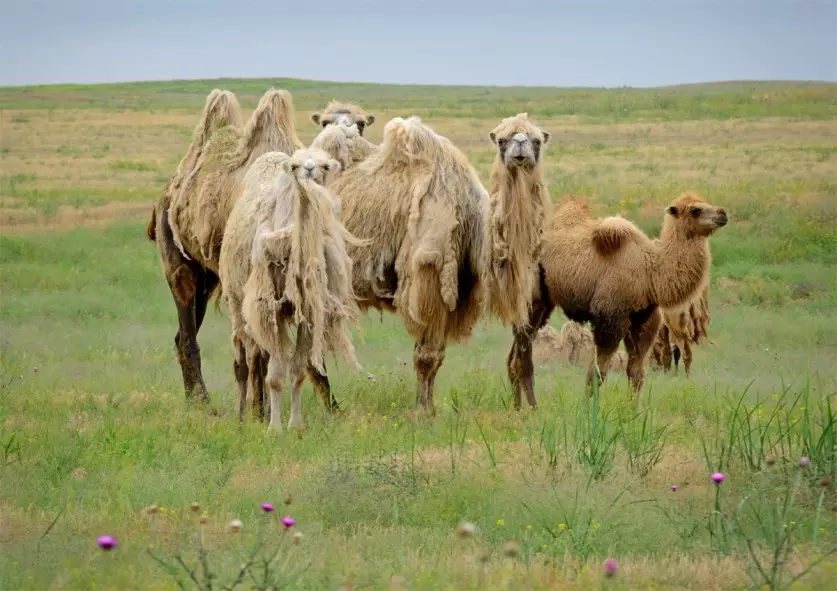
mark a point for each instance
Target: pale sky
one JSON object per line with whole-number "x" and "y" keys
{"x": 487, "y": 42}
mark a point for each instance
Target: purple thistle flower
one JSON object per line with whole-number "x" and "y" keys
{"x": 288, "y": 521}
{"x": 610, "y": 566}
{"x": 718, "y": 477}
{"x": 803, "y": 462}
{"x": 267, "y": 507}
{"x": 106, "y": 542}
{"x": 674, "y": 488}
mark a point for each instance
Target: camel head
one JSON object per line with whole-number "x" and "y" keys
{"x": 693, "y": 216}
{"x": 310, "y": 165}
{"x": 345, "y": 114}
{"x": 519, "y": 142}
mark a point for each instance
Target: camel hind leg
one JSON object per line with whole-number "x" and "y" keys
{"x": 276, "y": 372}
{"x": 687, "y": 358}
{"x": 607, "y": 334}
{"x": 675, "y": 352}
{"x": 322, "y": 388}
{"x": 298, "y": 368}
{"x": 638, "y": 342}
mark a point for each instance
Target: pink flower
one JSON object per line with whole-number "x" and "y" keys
{"x": 803, "y": 462}
{"x": 674, "y": 488}
{"x": 718, "y": 477}
{"x": 288, "y": 521}
{"x": 610, "y": 566}
{"x": 106, "y": 542}
{"x": 267, "y": 507}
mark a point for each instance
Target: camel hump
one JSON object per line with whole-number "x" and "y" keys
{"x": 571, "y": 211}
{"x": 611, "y": 234}
{"x": 221, "y": 109}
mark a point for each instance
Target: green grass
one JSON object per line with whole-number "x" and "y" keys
{"x": 94, "y": 426}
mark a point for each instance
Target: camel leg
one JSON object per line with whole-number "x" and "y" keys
{"x": 607, "y": 336}
{"x": 638, "y": 342}
{"x": 427, "y": 359}
{"x": 322, "y": 388}
{"x": 521, "y": 369}
{"x": 675, "y": 351}
{"x": 298, "y": 368}
{"x": 241, "y": 374}
{"x": 276, "y": 371}
{"x": 188, "y": 351}
{"x": 257, "y": 363}
{"x": 687, "y": 358}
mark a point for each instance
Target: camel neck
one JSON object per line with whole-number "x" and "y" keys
{"x": 680, "y": 266}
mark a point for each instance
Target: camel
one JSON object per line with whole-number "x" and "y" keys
{"x": 572, "y": 343}
{"x": 420, "y": 202}
{"x": 680, "y": 329}
{"x": 189, "y": 221}
{"x": 607, "y": 272}
{"x": 344, "y": 114}
{"x": 296, "y": 274}
{"x": 190, "y": 283}
{"x": 517, "y": 207}
{"x": 345, "y": 144}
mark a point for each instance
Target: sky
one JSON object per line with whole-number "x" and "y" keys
{"x": 487, "y": 42}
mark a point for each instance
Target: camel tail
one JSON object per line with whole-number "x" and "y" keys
{"x": 611, "y": 234}
{"x": 151, "y": 230}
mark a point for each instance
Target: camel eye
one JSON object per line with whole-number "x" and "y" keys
{"x": 294, "y": 167}
{"x": 502, "y": 142}
{"x": 536, "y": 141}
{"x": 695, "y": 211}
{"x": 360, "y": 125}
{"x": 325, "y": 124}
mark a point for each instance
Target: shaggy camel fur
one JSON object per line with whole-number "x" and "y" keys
{"x": 190, "y": 283}
{"x": 195, "y": 211}
{"x": 344, "y": 144}
{"x": 607, "y": 272}
{"x": 572, "y": 343}
{"x": 344, "y": 114}
{"x": 299, "y": 273}
{"x": 681, "y": 329}
{"x": 422, "y": 205}
{"x": 517, "y": 207}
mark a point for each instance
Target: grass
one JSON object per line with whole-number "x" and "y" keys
{"x": 94, "y": 427}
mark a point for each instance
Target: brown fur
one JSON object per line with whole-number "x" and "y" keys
{"x": 199, "y": 210}
{"x": 619, "y": 292}
{"x": 517, "y": 207}
{"x": 344, "y": 114}
{"x": 422, "y": 205}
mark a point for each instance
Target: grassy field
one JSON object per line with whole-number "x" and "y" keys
{"x": 94, "y": 427}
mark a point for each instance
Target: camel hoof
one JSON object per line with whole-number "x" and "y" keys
{"x": 274, "y": 429}
{"x": 295, "y": 425}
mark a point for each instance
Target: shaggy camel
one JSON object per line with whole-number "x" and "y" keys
{"x": 680, "y": 329}
{"x": 190, "y": 283}
{"x": 607, "y": 272}
{"x": 344, "y": 144}
{"x": 422, "y": 205}
{"x": 299, "y": 273}
{"x": 519, "y": 202}
{"x": 190, "y": 219}
{"x": 343, "y": 114}
{"x": 572, "y": 343}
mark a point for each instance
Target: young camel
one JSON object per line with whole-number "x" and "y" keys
{"x": 607, "y": 272}
{"x": 191, "y": 217}
{"x": 300, "y": 274}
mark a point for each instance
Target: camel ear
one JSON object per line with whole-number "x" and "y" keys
{"x": 333, "y": 166}
{"x": 672, "y": 210}
{"x": 370, "y": 119}
{"x": 493, "y": 137}
{"x": 316, "y": 118}
{"x": 546, "y": 136}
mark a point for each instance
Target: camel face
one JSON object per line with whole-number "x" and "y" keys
{"x": 311, "y": 165}
{"x": 344, "y": 114}
{"x": 519, "y": 142}
{"x": 696, "y": 216}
